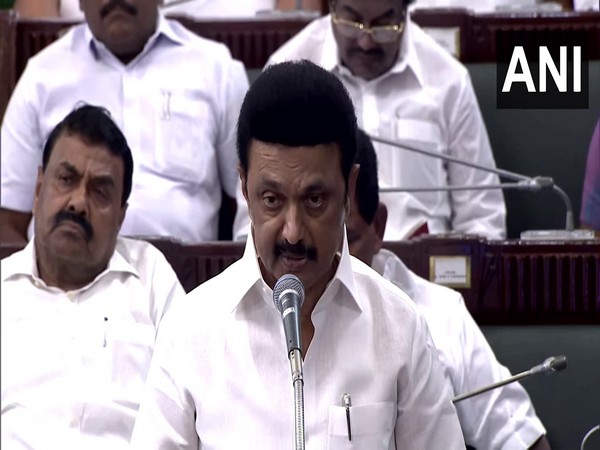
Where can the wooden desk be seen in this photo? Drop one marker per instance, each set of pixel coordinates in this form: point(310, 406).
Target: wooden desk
point(512, 282)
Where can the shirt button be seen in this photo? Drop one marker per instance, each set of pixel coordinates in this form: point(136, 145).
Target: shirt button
point(74, 423)
point(37, 283)
point(71, 296)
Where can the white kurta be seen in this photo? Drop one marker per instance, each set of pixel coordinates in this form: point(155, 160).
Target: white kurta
point(177, 104)
point(74, 363)
point(502, 419)
point(220, 377)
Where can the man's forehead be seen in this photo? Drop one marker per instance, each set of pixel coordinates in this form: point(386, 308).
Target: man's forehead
point(73, 153)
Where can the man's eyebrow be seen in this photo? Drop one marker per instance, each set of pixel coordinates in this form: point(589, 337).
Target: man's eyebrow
point(317, 186)
point(268, 185)
point(68, 167)
point(104, 180)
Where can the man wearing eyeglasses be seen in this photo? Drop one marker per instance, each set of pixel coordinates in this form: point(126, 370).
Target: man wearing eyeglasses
point(407, 88)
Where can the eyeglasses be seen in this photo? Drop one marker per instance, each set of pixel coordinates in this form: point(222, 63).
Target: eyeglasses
point(381, 34)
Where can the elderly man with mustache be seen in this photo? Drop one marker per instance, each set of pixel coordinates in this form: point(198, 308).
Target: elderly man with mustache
point(175, 95)
point(80, 305)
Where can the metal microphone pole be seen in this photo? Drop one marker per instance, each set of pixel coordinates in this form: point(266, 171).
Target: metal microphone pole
point(298, 381)
point(550, 365)
point(535, 183)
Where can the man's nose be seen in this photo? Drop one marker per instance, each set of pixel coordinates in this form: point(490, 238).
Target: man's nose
point(365, 41)
point(78, 201)
point(293, 227)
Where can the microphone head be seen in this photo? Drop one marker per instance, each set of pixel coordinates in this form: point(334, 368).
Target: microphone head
point(558, 363)
point(285, 283)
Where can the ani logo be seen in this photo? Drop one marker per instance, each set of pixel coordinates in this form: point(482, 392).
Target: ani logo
point(553, 76)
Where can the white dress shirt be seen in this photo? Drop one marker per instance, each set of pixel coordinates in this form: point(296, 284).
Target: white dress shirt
point(177, 103)
point(74, 363)
point(426, 100)
point(502, 419)
point(220, 377)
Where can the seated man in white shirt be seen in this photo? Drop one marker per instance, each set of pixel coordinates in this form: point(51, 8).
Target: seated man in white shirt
point(80, 306)
point(175, 95)
point(220, 376)
point(406, 88)
point(500, 419)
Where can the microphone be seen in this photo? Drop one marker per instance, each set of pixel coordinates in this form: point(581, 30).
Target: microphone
point(550, 365)
point(523, 182)
point(288, 296)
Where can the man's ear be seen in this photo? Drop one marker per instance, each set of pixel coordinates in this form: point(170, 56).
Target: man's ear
point(379, 223)
point(38, 187)
point(243, 182)
point(352, 176)
point(123, 212)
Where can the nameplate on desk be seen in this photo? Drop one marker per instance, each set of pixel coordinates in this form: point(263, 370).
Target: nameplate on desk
point(451, 271)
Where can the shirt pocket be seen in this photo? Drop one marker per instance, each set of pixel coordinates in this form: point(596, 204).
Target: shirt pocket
point(185, 134)
point(130, 346)
point(372, 427)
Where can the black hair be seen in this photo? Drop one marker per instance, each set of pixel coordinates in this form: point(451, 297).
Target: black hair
point(94, 125)
point(298, 103)
point(367, 184)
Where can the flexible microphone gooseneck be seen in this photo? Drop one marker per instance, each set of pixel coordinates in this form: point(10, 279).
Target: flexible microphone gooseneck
point(550, 365)
point(523, 182)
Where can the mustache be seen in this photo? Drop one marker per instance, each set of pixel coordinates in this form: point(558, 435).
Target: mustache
point(78, 219)
point(114, 4)
point(298, 250)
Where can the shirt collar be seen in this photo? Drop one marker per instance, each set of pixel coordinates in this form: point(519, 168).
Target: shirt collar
point(164, 28)
point(251, 281)
point(407, 55)
point(24, 263)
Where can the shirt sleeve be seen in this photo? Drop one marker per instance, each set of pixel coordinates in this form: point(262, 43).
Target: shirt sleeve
point(426, 417)
point(22, 146)
point(167, 289)
point(236, 85)
point(503, 418)
point(480, 212)
point(166, 418)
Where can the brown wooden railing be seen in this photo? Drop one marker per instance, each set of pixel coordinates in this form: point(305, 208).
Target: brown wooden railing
point(512, 282)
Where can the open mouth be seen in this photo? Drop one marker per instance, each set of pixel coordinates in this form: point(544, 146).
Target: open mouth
point(294, 262)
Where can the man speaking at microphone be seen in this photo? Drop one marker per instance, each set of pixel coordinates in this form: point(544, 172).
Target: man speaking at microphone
point(220, 375)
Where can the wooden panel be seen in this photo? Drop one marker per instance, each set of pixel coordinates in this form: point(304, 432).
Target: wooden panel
point(250, 41)
point(519, 282)
point(512, 282)
point(8, 27)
